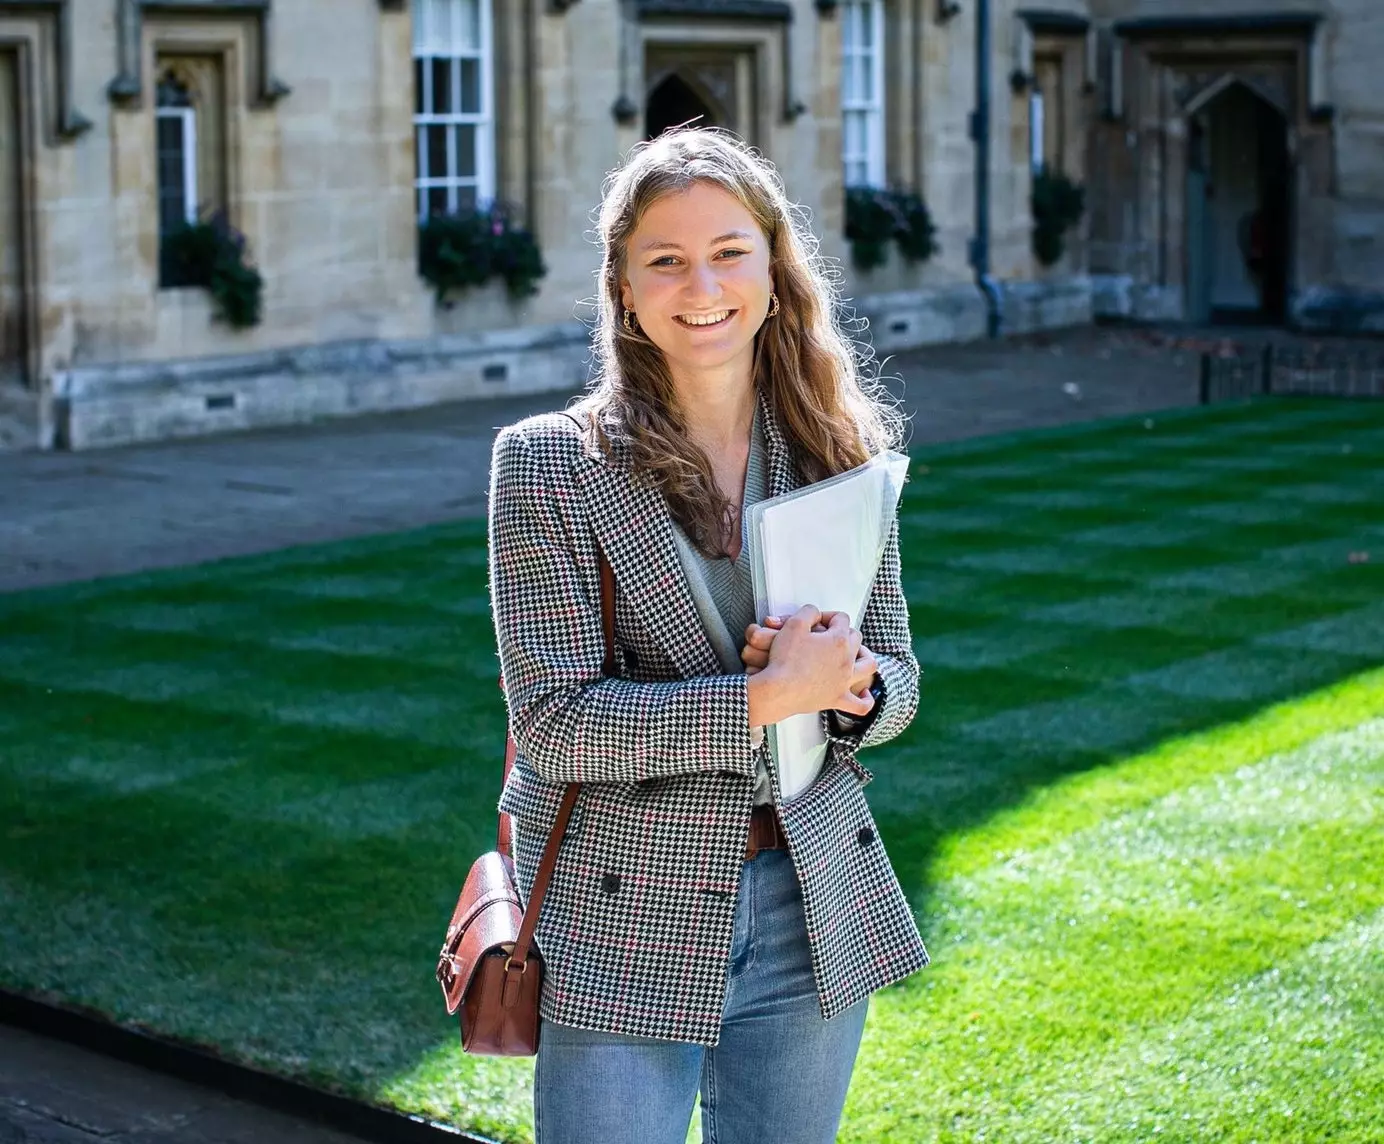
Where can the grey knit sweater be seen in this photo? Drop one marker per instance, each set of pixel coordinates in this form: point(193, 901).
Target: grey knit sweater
point(723, 589)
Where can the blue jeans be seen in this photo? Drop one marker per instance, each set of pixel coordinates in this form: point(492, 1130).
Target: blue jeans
point(779, 1073)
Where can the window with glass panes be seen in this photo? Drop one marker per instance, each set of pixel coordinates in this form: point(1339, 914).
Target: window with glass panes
point(453, 105)
point(175, 126)
point(862, 92)
point(1046, 114)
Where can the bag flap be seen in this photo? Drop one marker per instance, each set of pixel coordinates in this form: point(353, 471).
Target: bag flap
point(487, 916)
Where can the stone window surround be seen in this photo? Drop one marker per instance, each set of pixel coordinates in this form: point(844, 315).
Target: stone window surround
point(231, 43)
point(761, 27)
point(50, 32)
point(127, 88)
point(1071, 49)
point(1051, 32)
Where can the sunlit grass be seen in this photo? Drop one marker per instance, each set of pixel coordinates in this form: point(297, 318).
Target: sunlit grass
point(1138, 814)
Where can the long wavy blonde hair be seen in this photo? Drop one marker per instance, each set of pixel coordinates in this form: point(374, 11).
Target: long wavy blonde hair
point(833, 416)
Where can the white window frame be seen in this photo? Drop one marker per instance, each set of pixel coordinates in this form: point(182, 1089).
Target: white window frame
point(871, 106)
point(188, 117)
point(433, 42)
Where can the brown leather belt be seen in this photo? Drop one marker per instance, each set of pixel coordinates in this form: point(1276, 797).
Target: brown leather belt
point(766, 832)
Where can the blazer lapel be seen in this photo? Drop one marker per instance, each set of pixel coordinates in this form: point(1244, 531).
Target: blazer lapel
point(634, 528)
point(783, 478)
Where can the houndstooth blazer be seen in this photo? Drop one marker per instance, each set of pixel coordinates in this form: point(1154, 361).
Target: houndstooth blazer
point(636, 927)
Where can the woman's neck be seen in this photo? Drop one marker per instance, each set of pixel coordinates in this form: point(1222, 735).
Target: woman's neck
point(718, 411)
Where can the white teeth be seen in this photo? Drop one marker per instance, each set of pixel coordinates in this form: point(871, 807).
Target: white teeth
point(704, 319)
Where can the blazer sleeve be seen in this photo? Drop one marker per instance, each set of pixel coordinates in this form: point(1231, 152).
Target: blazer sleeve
point(885, 630)
point(571, 723)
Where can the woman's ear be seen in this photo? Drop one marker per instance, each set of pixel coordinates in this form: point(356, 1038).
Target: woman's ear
point(626, 296)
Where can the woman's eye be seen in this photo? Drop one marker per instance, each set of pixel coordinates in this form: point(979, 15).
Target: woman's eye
point(731, 253)
point(666, 260)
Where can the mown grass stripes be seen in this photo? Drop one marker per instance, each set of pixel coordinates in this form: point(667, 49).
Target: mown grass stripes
point(1138, 814)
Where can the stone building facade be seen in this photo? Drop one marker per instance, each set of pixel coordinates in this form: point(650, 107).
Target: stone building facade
point(325, 130)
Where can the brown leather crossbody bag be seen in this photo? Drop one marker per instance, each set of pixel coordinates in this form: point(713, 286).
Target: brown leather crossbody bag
point(490, 971)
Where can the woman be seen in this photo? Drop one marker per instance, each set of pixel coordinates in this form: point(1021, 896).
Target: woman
point(697, 934)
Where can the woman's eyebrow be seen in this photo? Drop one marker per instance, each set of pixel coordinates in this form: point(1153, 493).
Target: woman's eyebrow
point(661, 244)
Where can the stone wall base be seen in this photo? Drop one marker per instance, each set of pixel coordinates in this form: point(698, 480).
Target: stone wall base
point(1124, 297)
point(1325, 310)
point(23, 424)
point(120, 404)
point(908, 319)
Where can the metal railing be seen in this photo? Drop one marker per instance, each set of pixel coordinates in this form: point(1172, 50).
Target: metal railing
point(1290, 371)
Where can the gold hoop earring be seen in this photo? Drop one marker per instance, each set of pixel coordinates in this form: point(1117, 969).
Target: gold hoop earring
point(629, 321)
point(773, 305)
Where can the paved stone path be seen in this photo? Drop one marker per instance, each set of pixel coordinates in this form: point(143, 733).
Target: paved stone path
point(66, 517)
point(75, 516)
point(53, 1093)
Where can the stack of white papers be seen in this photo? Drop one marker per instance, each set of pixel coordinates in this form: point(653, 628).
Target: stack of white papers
point(821, 545)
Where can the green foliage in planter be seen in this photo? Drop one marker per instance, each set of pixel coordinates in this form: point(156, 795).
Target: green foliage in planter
point(1058, 204)
point(917, 238)
point(469, 248)
point(876, 216)
point(212, 254)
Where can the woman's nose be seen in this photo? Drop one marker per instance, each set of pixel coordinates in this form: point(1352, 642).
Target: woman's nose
point(703, 284)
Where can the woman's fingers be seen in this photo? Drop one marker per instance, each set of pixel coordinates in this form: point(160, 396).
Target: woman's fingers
point(758, 637)
point(863, 674)
point(753, 657)
point(853, 704)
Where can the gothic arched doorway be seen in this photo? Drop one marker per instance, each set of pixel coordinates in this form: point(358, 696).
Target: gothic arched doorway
point(674, 102)
point(1239, 205)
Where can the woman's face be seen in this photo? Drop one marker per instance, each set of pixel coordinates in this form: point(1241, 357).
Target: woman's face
point(697, 277)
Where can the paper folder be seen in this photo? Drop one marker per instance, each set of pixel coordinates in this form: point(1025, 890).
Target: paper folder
point(821, 545)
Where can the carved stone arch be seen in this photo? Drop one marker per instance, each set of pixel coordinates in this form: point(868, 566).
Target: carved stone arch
point(1208, 92)
point(177, 70)
point(701, 83)
point(675, 97)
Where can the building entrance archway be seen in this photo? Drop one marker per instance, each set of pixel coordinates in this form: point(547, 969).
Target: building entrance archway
point(1239, 206)
point(707, 84)
point(673, 103)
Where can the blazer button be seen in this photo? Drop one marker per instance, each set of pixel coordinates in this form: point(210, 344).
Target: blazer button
point(610, 884)
point(866, 836)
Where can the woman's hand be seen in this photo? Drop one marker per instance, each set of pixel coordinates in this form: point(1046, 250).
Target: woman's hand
point(760, 638)
point(812, 661)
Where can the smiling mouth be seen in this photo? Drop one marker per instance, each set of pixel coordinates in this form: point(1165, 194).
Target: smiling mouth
point(705, 321)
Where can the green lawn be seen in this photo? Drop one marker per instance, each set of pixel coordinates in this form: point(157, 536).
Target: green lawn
point(1139, 814)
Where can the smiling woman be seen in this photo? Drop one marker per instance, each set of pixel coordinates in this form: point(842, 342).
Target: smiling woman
point(698, 932)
